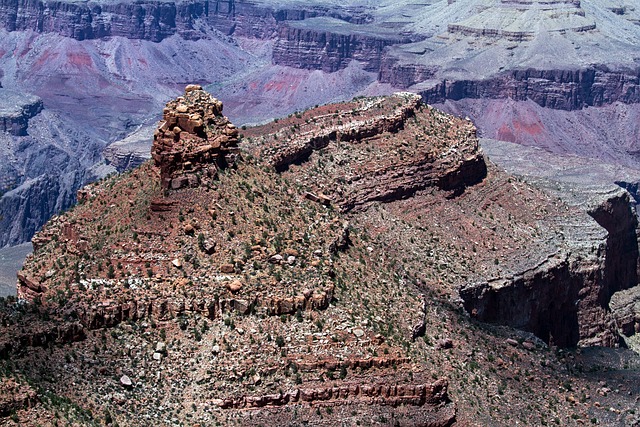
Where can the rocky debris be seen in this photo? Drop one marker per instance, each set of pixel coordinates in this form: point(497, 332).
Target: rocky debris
point(342, 242)
point(444, 343)
point(419, 329)
point(126, 381)
point(209, 246)
point(15, 396)
point(512, 342)
point(193, 140)
point(227, 268)
point(15, 111)
point(30, 284)
point(321, 198)
point(625, 306)
point(234, 286)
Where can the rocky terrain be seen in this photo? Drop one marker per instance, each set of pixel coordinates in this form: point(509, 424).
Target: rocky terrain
point(411, 282)
point(338, 266)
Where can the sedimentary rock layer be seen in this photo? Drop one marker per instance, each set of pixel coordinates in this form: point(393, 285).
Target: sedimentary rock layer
point(556, 89)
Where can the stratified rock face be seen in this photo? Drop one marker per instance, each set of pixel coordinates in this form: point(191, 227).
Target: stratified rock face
point(408, 154)
point(148, 20)
point(522, 19)
point(193, 139)
point(304, 46)
point(15, 111)
point(130, 152)
point(557, 89)
point(566, 298)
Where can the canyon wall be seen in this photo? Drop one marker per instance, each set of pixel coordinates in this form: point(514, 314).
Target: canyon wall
point(33, 203)
point(148, 20)
point(565, 299)
point(16, 110)
point(556, 89)
point(328, 51)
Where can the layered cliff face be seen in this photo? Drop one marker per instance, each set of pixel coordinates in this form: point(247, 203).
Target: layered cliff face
point(555, 89)
point(151, 20)
point(565, 298)
point(395, 173)
point(303, 45)
point(41, 171)
point(523, 20)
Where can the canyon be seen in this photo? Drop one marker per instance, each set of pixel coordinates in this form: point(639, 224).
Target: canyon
point(420, 253)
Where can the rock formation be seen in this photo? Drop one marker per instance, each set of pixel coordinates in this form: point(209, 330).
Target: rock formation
point(15, 111)
point(556, 89)
point(193, 140)
point(625, 306)
point(567, 296)
point(149, 20)
point(317, 280)
point(301, 45)
point(521, 20)
point(394, 175)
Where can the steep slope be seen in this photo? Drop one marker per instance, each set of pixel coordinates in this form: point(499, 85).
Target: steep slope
point(311, 277)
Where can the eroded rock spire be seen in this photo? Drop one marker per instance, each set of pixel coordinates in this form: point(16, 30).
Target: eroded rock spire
point(193, 140)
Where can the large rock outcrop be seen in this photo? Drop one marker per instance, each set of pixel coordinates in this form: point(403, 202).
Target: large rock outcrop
point(565, 297)
point(449, 161)
point(15, 111)
point(193, 139)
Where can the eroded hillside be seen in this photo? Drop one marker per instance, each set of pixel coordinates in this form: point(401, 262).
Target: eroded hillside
point(313, 274)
